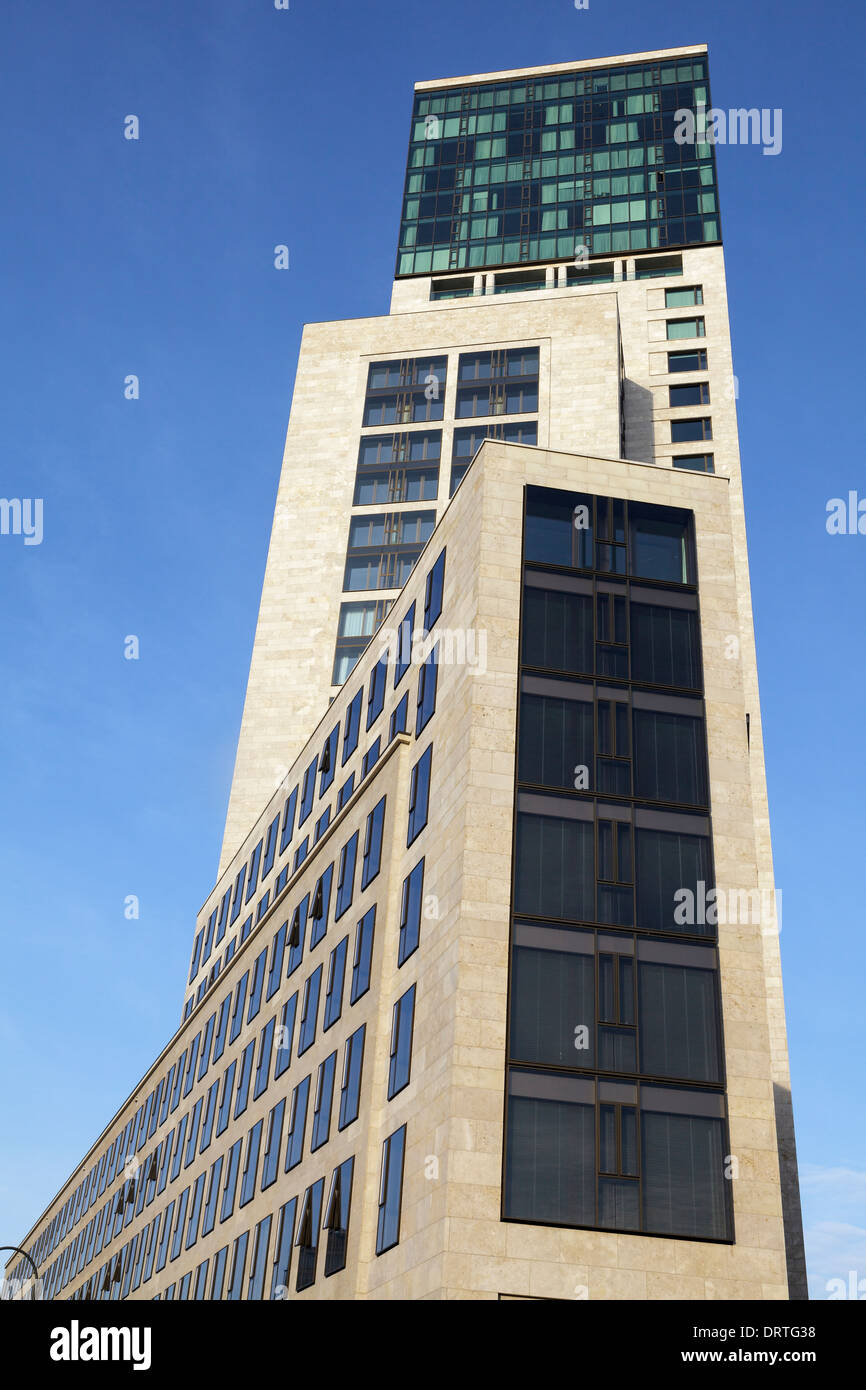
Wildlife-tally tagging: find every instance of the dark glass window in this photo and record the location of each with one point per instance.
(665, 646)
(244, 1079)
(669, 761)
(352, 726)
(346, 877)
(550, 1150)
(237, 1267)
(350, 1085)
(556, 739)
(233, 1162)
(399, 718)
(238, 1010)
(433, 592)
(336, 1221)
(309, 1010)
(251, 1164)
(322, 1105)
(297, 933)
(403, 653)
(213, 1190)
(226, 1097)
(372, 856)
(659, 546)
(334, 988)
(695, 361)
(557, 630)
(687, 431)
(270, 847)
(671, 864)
(390, 1191)
(419, 794)
(693, 393)
(328, 760)
(284, 1036)
(283, 1239)
(278, 951)
(555, 866)
(376, 693)
(259, 1258)
(273, 1141)
(402, 1024)
(263, 1065)
(427, 681)
(410, 913)
(309, 791)
(258, 981)
(307, 1239)
(288, 821)
(297, 1124)
(320, 906)
(363, 954)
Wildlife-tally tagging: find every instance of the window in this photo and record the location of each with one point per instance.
(258, 1260)
(328, 761)
(283, 1239)
(263, 1066)
(162, 1254)
(693, 393)
(372, 857)
(273, 1142)
(233, 1161)
(399, 718)
(403, 653)
(322, 1104)
(301, 853)
(669, 758)
(203, 1064)
(196, 950)
(685, 328)
(285, 1034)
(695, 361)
(308, 792)
(696, 463)
(664, 643)
(219, 1270)
(192, 1139)
(297, 1124)
(427, 680)
(307, 1239)
(684, 298)
(297, 932)
(178, 1148)
(660, 544)
(433, 591)
(210, 1206)
(278, 950)
(334, 988)
(226, 1097)
(322, 824)
(253, 871)
(309, 1010)
(175, 1102)
(209, 1117)
(352, 726)
(246, 928)
(402, 1023)
(346, 877)
(237, 900)
(251, 1164)
(336, 1221)
(363, 954)
(320, 907)
(410, 913)
(419, 794)
(200, 1284)
(238, 1010)
(195, 1212)
(244, 1079)
(223, 917)
(270, 847)
(238, 1264)
(288, 821)
(345, 791)
(376, 692)
(686, 431)
(222, 1026)
(256, 986)
(350, 1084)
(390, 1191)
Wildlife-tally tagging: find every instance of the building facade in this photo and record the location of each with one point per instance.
(486, 1001)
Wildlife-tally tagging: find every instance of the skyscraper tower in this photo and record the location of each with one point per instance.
(486, 1001)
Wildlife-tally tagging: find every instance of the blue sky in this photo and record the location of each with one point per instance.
(155, 257)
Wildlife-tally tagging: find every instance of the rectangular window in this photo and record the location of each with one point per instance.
(322, 1104)
(336, 1221)
(410, 913)
(226, 1097)
(685, 328)
(288, 821)
(278, 949)
(371, 757)
(403, 653)
(308, 792)
(322, 824)
(237, 1267)
(210, 1206)
(273, 1143)
(684, 298)
(297, 934)
(695, 463)
(259, 1259)
(301, 853)
(688, 431)
(253, 871)
(402, 1024)
(419, 794)
(237, 900)
(309, 1010)
(192, 1138)
(350, 1084)
(345, 792)
(223, 917)
(433, 591)
(263, 1065)
(372, 857)
(363, 954)
(209, 1117)
(178, 1148)
(307, 1239)
(256, 986)
(219, 1273)
(270, 847)
(283, 1240)
(205, 1052)
(233, 1161)
(693, 393)
(244, 1079)
(695, 361)
(162, 1254)
(399, 718)
(297, 1124)
(238, 1010)
(285, 1035)
(376, 692)
(251, 1164)
(334, 988)
(346, 877)
(427, 680)
(390, 1191)
(195, 1212)
(222, 1028)
(352, 726)
(200, 1282)
(320, 907)
(328, 760)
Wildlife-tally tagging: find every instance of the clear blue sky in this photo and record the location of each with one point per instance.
(155, 257)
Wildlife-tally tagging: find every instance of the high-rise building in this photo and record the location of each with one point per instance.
(486, 1001)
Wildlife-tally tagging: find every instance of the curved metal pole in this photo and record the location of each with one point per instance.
(18, 1251)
